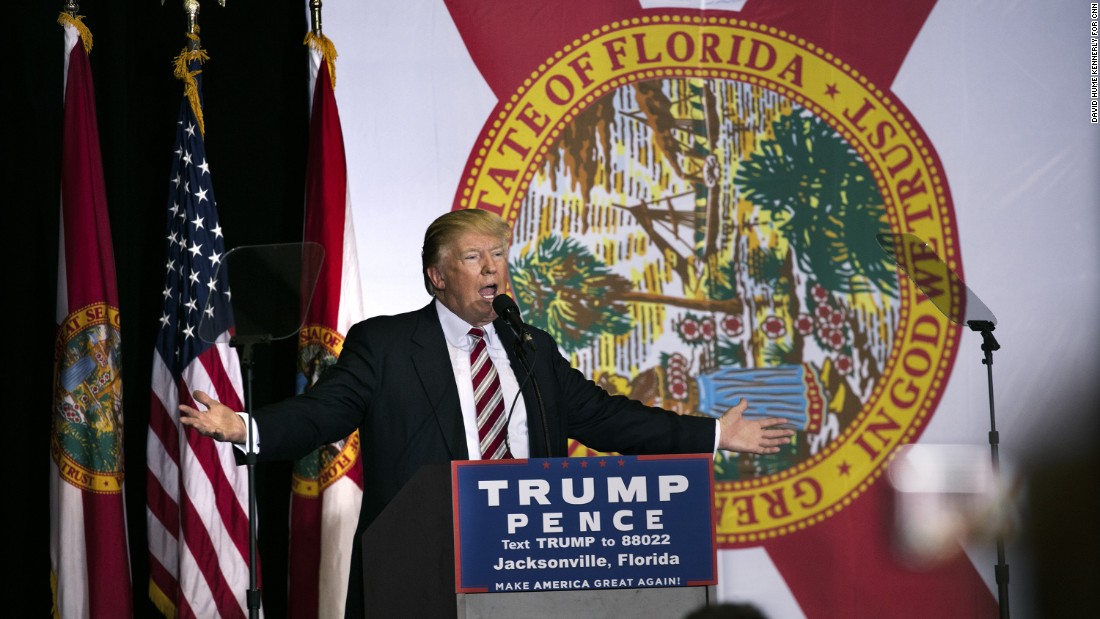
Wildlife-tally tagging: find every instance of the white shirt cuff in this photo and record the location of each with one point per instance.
(255, 435)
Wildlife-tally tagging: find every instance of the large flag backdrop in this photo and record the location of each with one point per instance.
(720, 177)
(89, 552)
(196, 494)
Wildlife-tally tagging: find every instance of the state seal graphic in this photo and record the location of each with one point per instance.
(695, 204)
(87, 417)
(318, 349)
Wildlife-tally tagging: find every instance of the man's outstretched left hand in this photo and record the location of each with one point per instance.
(756, 436)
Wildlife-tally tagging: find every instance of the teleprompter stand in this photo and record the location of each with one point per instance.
(272, 286)
(961, 306)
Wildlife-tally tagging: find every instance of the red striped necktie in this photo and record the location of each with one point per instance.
(489, 400)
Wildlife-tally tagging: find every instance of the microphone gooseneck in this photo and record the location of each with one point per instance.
(506, 308)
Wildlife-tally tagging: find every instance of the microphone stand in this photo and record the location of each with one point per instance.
(906, 250)
(522, 355)
(989, 344)
(244, 344)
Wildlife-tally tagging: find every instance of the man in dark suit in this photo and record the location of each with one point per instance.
(404, 382)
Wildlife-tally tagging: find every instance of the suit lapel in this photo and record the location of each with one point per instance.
(433, 367)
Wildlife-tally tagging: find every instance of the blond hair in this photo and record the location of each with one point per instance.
(444, 232)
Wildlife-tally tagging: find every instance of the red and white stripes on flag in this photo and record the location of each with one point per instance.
(197, 510)
(89, 555)
(327, 484)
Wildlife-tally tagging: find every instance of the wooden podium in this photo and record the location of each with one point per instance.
(409, 570)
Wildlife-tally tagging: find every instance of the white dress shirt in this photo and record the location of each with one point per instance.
(459, 345)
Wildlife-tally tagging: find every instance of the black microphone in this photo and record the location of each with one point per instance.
(506, 308)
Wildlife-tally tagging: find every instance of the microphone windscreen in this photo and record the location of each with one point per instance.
(502, 303)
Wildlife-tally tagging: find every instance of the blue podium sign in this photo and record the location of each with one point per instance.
(612, 522)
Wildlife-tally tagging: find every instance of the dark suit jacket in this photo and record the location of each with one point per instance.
(394, 383)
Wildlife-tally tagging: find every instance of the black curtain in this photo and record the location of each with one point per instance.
(256, 115)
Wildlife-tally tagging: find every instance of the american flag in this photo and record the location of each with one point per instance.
(197, 510)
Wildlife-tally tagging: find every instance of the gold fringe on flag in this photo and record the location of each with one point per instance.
(324, 45)
(191, 88)
(77, 21)
(162, 602)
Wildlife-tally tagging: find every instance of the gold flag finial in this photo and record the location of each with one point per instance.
(191, 7)
(318, 41)
(315, 17)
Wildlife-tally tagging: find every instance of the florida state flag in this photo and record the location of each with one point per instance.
(88, 546)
